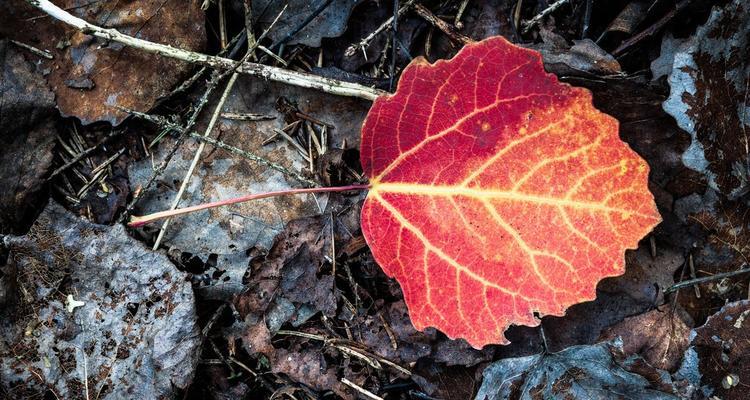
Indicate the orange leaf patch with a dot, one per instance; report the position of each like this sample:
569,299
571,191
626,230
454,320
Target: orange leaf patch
497,192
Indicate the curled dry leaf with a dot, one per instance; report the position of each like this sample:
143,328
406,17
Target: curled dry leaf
497,192
709,98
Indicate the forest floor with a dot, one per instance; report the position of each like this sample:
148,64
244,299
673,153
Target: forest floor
281,297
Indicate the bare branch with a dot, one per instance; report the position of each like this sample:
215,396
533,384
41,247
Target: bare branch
301,79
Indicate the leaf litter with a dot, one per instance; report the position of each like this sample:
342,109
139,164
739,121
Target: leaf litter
227,234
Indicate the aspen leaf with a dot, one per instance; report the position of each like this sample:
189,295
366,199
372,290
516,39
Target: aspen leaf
497,192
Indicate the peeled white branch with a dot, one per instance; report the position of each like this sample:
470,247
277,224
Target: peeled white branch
301,79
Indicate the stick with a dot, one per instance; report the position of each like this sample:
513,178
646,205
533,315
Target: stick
447,28
301,79
163,122
651,30
705,279
196,158
351,50
539,17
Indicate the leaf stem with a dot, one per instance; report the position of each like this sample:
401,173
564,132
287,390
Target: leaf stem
136,221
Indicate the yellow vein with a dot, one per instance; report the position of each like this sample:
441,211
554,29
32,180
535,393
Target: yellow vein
446,131
510,146
416,189
517,237
436,250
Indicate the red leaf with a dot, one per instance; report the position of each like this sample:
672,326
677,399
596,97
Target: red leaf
497,192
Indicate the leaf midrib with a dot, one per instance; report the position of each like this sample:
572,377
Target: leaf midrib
481,194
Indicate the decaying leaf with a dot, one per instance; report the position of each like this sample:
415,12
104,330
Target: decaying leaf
27,136
284,286
135,336
331,22
659,336
497,192
709,98
722,348
308,366
584,59
89,75
578,372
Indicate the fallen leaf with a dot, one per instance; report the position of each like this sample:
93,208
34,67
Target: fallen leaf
709,98
27,136
722,347
308,366
89,75
497,192
284,286
331,22
578,372
133,333
584,59
659,336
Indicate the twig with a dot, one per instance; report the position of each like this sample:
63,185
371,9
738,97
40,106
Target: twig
243,366
691,264
249,26
212,321
360,389
527,25
247,116
222,25
196,157
351,50
108,161
347,347
293,142
461,8
448,29
252,157
41,53
705,279
78,157
221,145
651,30
301,79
